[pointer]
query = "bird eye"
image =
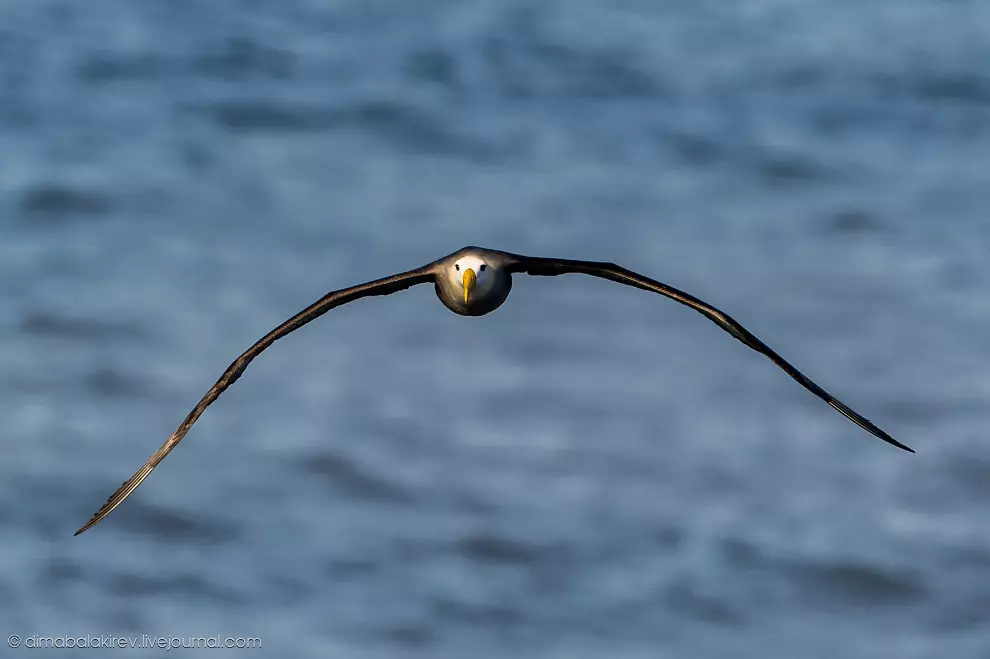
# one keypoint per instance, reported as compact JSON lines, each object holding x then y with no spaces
{"x":457,"y":266}
{"x":482,"y":268}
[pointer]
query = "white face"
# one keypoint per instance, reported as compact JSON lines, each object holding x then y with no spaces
{"x":482,"y":272}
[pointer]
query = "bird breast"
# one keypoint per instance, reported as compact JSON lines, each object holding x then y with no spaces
{"x":483,"y":300}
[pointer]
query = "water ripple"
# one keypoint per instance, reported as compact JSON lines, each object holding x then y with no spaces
{"x":352,"y":480}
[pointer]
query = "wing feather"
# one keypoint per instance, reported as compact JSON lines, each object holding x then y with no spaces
{"x":552,"y":267}
{"x":331,"y":300}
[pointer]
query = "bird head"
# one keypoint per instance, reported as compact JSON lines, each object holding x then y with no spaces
{"x":473,"y":275}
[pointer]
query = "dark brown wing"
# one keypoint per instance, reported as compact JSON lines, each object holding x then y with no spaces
{"x":551,"y":267}
{"x":326,"y":303}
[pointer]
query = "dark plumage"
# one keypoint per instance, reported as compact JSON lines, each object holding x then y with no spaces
{"x":473,"y":282}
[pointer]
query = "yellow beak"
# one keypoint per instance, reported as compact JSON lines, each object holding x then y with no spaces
{"x":468,"y":280}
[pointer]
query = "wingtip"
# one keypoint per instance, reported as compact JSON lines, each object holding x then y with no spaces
{"x":85,"y":527}
{"x":893,"y":442}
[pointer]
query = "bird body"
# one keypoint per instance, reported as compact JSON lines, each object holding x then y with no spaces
{"x":474,"y":281}
{"x":488,"y":280}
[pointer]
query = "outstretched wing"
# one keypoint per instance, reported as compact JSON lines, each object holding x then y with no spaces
{"x":326,"y":303}
{"x":552,"y":267}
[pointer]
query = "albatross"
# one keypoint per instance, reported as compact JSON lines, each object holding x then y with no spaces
{"x":474,"y":281}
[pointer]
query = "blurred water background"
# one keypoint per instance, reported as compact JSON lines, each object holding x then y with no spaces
{"x":588,"y":472}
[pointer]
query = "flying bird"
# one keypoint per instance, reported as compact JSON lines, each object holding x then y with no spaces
{"x":474,"y":281}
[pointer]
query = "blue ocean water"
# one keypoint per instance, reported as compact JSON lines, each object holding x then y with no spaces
{"x":590,"y":471}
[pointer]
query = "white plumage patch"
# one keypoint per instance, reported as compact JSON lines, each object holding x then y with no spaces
{"x":482,"y":273}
